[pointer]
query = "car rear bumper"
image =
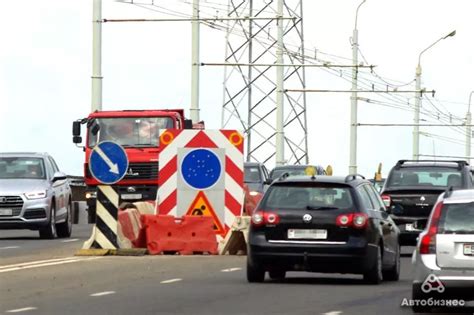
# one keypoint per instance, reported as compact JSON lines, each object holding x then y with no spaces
{"x":332,"y":257}
{"x":458,"y":283}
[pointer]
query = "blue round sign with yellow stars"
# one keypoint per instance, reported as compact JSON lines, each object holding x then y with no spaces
{"x":201,"y":168}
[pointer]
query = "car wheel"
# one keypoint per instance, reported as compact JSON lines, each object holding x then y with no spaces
{"x":49,"y":231}
{"x":374,"y":275}
{"x":393,"y":274}
{"x":418,"y":295}
{"x":255,"y":273}
{"x":65,"y":229}
{"x":277,"y":274}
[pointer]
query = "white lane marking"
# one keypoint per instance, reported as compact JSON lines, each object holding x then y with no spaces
{"x":37,"y":262}
{"x":231,"y":269}
{"x":53,"y":263}
{"x":171,"y":281}
{"x":9,"y":247}
{"x":25,"y":309}
{"x":103,"y":293}
{"x":333,"y":313}
{"x":71,"y":240}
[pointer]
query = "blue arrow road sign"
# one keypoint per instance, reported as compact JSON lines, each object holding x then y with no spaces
{"x":201,"y":168}
{"x":108,"y":162}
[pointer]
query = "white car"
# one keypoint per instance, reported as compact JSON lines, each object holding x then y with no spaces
{"x":444,"y":256}
{"x":34,"y":195}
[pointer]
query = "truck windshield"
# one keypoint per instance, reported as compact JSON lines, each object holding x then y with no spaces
{"x":130,"y":131}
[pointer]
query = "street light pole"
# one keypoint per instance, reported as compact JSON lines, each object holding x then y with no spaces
{"x":353,"y":126}
{"x":96,"y":103}
{"x":416,"y":119}
{"x":194,"y":111}
{"x":468,"y":129}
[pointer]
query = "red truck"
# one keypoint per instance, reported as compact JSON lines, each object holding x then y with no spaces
{"x":137,"y":131}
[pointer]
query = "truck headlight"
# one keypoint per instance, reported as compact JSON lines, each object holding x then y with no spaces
{"x":254,"y":193}
{"x":91,"y":194}
{"x":39,"y":194}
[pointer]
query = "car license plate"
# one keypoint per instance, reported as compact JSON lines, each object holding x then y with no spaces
{"x":131,"y":196}
{"x":6,"y":211}
{"x":469,"y":249}
{"x":409,"y":227}
{"x":307,"y":234}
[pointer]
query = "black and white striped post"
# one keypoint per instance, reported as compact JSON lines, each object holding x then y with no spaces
{"x":108,"y":164}
{"x":106,"y":224}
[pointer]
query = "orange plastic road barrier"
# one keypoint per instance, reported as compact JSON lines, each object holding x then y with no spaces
{"x":198,"y":233}
{"x":186,"y":236}
{"x":162,"y":234}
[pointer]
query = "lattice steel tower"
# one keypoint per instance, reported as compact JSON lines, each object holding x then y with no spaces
{"x":263,"y":59}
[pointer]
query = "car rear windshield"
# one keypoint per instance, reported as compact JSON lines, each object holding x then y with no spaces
{"x":22,"y":167}
{"x":307,"y":197}
{"x":425,"y":176}
{"x":457,"y":218}
{"x":252,"y":174}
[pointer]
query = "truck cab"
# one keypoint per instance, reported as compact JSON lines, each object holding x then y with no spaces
{"x":137,"y":131}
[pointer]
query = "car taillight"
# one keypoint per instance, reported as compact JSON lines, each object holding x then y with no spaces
{"x":260,"y":218}
{"x":344,"y":220}
{"x":387,"y":200}
{"x":257,"y":218}
{"x":360,"y":220}
{"x":355,"y":220}
{"x":271,"y":218}
{"x":428,"y":241}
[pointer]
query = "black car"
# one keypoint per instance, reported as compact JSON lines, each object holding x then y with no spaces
{"x":322,"y":224}
{"x":412,"y":188}
{"x":255,"y":176}
{"x":293,"y":170}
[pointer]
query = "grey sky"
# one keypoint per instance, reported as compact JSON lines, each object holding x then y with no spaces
{"x":45,"y":69}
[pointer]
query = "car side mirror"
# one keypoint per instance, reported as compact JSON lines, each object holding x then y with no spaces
{"x":76,"y":128}
{"x":59,"y":176}
{"x":269,"y":181}
{"x":388,"y":210}
{"x":188,"y":124}
{"x":77,"y":139}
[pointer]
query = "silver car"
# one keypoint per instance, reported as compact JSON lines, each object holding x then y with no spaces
{"x":34,"y":195}
{"x":444,"y":256}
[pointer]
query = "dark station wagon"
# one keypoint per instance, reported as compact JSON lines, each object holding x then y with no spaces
{"x":322,"y":224}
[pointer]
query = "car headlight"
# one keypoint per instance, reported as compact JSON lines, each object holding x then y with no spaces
{"x":39,"y":194}
{"x":91,"y":194}
{"x":254,"y":193}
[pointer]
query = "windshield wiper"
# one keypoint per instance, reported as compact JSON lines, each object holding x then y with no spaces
{"x":321,"y":208}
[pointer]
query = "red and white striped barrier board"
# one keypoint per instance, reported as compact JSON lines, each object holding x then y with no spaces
{"x":201,"y":173}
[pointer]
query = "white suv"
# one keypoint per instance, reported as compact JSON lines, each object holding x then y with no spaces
{"x":444,"y":256}
{"x":34,"y":195}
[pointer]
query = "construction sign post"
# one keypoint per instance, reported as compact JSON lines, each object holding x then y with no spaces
{"x":201,"y":173}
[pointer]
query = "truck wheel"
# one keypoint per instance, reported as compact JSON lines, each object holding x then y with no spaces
{"x":49,"y":231}
{"x":65,"y":229}
{"x":91,"y":214}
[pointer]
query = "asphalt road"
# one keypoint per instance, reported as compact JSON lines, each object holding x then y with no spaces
{"x":43,"y":277}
